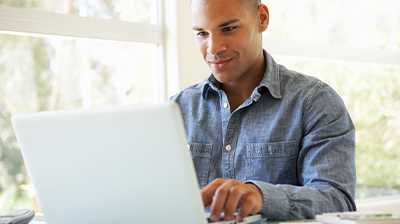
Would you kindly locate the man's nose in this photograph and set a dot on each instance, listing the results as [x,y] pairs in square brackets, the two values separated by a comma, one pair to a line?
[215,45]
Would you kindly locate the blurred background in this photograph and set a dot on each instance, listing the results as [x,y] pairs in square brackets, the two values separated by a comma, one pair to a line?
[41,72]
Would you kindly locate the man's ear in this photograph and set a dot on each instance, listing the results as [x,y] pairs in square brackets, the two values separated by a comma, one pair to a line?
[263,17]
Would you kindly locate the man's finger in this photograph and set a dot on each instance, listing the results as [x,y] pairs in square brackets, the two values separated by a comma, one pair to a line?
[232,202]
[221,195]
[227,195]
[208,192]
[252,203]
[249,205]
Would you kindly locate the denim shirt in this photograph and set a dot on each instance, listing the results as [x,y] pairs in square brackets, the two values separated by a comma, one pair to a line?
[293,138]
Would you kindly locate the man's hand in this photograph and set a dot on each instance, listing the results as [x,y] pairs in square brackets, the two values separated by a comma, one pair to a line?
[228,195]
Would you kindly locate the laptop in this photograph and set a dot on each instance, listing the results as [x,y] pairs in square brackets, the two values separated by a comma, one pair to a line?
[127,164]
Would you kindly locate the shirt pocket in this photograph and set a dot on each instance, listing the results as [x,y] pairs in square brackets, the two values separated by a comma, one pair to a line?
[274,163]
[201,156]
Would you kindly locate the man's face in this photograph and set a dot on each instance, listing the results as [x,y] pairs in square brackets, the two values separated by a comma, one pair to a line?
[228,36]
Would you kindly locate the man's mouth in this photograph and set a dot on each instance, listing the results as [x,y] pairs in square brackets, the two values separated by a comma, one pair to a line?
[220,64]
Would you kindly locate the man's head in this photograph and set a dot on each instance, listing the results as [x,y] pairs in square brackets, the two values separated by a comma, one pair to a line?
[228,34]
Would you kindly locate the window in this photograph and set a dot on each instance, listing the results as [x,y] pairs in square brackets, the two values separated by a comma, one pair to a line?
[370,24]
[143,11]
[71,54]
[354,47]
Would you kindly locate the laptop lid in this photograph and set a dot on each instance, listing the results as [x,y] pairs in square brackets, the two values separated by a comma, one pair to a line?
[111,165]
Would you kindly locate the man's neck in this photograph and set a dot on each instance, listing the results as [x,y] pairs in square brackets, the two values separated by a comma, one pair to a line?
[239,91]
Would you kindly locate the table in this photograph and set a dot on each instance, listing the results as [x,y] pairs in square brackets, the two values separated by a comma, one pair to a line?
[39,219]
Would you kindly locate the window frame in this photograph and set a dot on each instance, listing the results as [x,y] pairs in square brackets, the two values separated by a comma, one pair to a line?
[28,22]
[330,52]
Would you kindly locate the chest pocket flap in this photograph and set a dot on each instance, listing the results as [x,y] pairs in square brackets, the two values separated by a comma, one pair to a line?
[274,163]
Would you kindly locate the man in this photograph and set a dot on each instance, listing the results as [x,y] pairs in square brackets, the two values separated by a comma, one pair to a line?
[263,139]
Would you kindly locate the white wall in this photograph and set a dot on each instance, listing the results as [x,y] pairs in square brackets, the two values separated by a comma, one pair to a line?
[184,64]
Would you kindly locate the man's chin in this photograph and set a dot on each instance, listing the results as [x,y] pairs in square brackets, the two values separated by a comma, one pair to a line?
[219,73]
[221,77]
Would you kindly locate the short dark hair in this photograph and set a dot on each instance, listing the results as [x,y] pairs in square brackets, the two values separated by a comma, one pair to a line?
[251,5]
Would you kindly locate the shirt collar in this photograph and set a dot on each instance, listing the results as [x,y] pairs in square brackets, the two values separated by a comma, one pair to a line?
[269,81]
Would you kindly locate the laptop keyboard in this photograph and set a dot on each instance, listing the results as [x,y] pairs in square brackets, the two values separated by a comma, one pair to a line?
[248,219]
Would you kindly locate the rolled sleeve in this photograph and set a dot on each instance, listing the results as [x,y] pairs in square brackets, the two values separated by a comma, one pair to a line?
[275,202]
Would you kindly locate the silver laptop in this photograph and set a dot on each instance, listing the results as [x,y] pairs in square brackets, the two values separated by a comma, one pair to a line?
[112,165]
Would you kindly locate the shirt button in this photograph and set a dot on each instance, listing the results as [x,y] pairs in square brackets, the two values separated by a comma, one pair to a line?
[188,146]
[228,147]
[225,105]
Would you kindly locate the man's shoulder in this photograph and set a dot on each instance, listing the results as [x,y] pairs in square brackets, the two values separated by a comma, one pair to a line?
[308,89]
[294,82]
[298,78]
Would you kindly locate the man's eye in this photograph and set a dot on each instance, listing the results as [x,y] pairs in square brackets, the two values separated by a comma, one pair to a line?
[201,34]
[229,28]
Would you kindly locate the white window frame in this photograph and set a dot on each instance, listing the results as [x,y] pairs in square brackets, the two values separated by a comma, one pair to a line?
[331,53]
[44,24]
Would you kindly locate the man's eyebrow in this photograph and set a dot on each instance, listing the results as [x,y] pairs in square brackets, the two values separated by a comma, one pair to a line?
[197,28]
[221,25]
[228,22]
